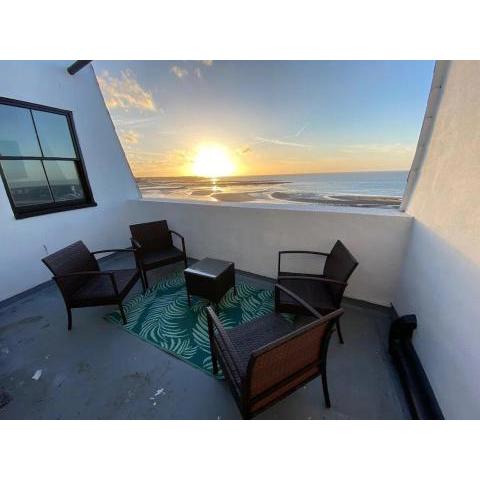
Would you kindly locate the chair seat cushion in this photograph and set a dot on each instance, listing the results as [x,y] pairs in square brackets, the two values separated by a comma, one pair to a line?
[98,290]
[250,336]
[314,292]
[158,258]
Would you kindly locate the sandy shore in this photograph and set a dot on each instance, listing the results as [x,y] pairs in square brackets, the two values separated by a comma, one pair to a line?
[233,197]
[342,200]
[338,200]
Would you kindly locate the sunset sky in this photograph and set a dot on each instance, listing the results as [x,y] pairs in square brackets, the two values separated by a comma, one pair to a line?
[265,117]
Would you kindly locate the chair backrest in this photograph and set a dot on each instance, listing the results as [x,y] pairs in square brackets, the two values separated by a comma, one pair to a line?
[340,263]
[278,368]
[152,235]
[72,259]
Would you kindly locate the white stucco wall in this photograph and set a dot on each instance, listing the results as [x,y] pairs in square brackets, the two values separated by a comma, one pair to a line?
[440,281]
[251,236]
[25,242]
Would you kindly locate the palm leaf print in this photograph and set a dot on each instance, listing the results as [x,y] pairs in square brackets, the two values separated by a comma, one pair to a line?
[162,317]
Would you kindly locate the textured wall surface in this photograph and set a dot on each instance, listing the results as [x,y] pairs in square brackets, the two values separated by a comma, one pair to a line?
[440,281]
[24,242]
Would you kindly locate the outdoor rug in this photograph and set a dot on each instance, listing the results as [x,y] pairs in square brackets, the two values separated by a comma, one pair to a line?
[162,317]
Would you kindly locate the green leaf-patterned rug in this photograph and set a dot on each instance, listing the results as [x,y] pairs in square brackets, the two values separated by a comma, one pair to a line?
[162,317]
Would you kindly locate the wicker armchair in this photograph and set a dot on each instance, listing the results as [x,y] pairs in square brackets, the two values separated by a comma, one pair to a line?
[154,247]
[77,274]
[266,359]
[323,291]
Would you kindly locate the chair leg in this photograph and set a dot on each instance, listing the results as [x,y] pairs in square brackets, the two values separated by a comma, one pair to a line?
[326,395]
[185,261]
[214,361]
[122,313]
[69,313]
[142,279]
[339,331]
[145,279]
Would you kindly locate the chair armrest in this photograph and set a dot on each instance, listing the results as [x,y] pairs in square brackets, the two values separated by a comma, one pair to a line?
[281,252]
[89,274]
[298,331]
[135,243]
[114,250]
[314,278]
[214,323]
[181,238]
[305,252]
[299,300]
[176,233]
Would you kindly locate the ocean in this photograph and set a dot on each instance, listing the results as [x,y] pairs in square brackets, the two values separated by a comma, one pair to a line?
[361,189]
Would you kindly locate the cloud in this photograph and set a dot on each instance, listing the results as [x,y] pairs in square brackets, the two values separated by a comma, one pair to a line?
[300,131]
[278,141]
[138,122]
[125,92]
[284,140]
[208,63]
[244,150]
[129,137]
[382,148]
[179,72]
[160,163]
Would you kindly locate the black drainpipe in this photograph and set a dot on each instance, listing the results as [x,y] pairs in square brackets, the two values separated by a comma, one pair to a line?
[421,400]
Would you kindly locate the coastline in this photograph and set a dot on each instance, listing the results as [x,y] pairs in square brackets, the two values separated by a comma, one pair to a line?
[343,200]
[362,189]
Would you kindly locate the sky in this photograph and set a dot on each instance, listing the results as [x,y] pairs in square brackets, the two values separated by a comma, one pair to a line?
[266,117]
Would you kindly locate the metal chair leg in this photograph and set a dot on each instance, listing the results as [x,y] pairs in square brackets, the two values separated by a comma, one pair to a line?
[340,336]
[214,361]
[142,279]
[69,312]
[325,388]
[122,313]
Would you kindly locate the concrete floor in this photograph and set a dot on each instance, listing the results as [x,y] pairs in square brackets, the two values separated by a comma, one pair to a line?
[98,371]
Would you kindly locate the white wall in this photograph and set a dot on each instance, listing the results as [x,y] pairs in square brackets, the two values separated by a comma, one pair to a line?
[440,281]
[251,236]
[22,241]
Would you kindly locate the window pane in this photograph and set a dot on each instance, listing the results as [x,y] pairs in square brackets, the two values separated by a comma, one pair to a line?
[54,134]
[64,180]
[26,181]
[17,134]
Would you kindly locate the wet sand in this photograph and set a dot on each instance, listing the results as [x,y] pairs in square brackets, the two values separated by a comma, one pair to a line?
[342,200]
[233,197]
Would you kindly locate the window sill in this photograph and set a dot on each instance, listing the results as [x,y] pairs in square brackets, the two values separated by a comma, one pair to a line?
[61,208]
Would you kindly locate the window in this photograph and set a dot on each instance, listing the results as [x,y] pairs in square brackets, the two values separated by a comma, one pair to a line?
[40,160]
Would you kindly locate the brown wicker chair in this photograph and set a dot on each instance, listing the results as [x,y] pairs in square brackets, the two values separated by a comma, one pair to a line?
[324,291]
[77,274]
[268,358]
[154,247]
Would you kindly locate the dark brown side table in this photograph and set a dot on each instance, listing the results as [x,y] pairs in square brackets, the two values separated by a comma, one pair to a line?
[210,278]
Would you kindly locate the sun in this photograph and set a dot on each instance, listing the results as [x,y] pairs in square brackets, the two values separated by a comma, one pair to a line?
[213,161]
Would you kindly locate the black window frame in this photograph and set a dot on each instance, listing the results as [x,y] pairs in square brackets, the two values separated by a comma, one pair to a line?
[52,207]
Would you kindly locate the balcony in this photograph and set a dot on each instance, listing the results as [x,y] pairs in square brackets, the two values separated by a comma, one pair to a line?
[98,371]
[423,260]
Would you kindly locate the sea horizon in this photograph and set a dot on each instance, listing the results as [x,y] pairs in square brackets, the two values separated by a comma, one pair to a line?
[269,174]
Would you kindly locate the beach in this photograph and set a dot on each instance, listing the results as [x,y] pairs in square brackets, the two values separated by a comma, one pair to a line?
[352,189]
